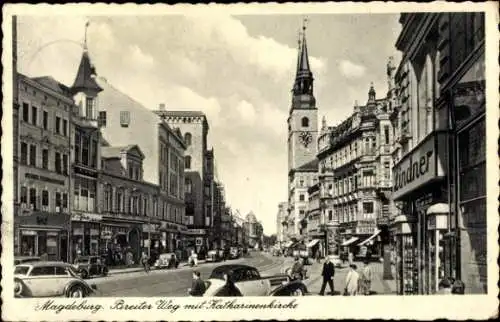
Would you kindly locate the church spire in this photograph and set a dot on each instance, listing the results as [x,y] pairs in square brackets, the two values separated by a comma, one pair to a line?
[304,78]
[85,77]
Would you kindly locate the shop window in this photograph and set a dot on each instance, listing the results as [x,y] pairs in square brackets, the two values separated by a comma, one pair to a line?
[24,153]
[33,155]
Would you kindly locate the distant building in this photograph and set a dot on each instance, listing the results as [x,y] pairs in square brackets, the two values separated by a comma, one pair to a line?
[281,223]
[254,231]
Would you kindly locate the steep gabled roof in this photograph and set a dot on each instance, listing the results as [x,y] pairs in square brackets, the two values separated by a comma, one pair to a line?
[85,77]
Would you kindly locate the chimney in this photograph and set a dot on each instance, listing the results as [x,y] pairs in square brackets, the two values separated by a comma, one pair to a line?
[162,106]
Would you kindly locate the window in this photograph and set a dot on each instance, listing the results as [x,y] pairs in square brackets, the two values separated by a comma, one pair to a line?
[65,127]
[145,207]
[187,138]
[26,112]
[85,150]
[102,118]
[58,125]
[61,271]
[24,195]
[65,164]
[33,155]
[387,170]
[93,160]
[65,200]
[119,200]
[89,108]
[77,147]
[45,198]
[302,197]
[45,159]
[32,198]
[368,207]
[58,200]
[130,171]
[58,167]
[330,215]
[386,134]
[124,118]
[188,185]
[34,115]
[467,31]
[42,270]
[24,153]
[187,162]
[45,120]
[305,122]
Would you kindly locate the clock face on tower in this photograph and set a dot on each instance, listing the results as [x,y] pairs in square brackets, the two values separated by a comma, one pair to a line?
[305,138]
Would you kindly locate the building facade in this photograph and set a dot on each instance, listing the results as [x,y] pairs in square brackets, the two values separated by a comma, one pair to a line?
[280,223]
[162,165]
[42,223]
[254,231]
[302,145]
[439,153]
[199,176]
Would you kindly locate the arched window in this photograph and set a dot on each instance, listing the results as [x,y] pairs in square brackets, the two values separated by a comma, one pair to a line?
[187,138]
[305,122]
[187,162]
[187,185]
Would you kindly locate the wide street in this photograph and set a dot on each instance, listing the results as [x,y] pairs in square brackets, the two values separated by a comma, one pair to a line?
[176,282]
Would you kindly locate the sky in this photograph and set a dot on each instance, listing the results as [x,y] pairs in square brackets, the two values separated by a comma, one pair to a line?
[238,70]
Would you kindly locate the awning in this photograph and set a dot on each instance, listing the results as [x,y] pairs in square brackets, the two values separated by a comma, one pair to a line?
[288,244]
[312,242]
[350,241]
[375,234]
[438,208]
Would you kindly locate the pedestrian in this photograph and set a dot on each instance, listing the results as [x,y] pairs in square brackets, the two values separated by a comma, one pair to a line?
[229,289]
[350,257]
[297,269]
[198,287]
[445,286]
[366,278]
[318,256]
[327,273]
[145,261]
[352,281]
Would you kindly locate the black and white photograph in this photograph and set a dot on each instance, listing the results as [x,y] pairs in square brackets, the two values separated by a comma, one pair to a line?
[298,158]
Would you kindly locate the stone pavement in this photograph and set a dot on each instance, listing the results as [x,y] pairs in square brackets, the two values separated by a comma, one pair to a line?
[379,285]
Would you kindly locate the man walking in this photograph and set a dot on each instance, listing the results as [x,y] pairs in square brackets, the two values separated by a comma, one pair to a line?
[327,273]
[198,287]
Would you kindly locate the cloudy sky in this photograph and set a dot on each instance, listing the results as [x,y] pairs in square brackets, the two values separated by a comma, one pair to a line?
[237,69]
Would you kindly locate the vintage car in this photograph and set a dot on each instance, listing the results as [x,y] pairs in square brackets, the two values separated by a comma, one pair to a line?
[166,260]
[88,266]
[49,279]
[250,283]
[25,259]
[234,253]
[214,255]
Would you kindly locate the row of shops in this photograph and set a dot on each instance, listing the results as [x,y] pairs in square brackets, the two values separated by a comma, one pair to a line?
[64,237]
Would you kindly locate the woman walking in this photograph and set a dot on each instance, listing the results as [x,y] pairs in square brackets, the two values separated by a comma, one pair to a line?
[366,278]
[352,281]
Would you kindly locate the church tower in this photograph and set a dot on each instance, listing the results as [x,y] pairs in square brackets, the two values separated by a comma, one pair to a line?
[303,114]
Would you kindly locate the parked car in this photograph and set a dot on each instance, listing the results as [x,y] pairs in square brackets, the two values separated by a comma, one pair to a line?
[25,259]
[214,255]
[336,260]
[234,253]
[250,283]
[87,266]
[49,279]
[166,260]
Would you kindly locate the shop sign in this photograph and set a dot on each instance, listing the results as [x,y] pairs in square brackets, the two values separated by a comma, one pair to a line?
[197,231]
[421,166]
[42,178]
[106,234]
[28,233]
[43,219]
[149,228]
[87,217]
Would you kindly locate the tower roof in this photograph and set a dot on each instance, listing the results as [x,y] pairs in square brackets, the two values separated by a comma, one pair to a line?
[85,77]
[304,57]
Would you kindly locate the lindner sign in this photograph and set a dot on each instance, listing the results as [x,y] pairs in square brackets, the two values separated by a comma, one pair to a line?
[426,163]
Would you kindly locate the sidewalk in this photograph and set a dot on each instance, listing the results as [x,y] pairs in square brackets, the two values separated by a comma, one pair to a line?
[379,285]
[139,268]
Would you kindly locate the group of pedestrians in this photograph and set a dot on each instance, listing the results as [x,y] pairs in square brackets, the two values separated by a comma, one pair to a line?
[355,283]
